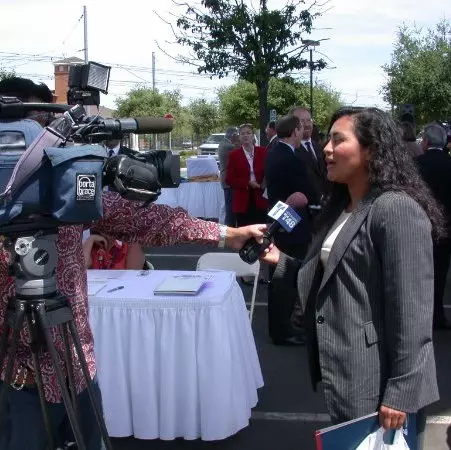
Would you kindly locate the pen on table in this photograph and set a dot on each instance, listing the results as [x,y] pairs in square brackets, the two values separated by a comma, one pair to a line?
[115,289]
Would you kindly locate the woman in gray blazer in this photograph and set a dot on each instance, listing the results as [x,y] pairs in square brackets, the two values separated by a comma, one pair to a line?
[366,283]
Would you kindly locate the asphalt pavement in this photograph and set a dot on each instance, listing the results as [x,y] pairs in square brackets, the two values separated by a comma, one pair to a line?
[288,411]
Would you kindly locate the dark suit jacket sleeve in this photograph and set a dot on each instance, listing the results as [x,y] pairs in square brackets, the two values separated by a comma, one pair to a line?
[285,173]
[402,234]
[287,270]
[302,183]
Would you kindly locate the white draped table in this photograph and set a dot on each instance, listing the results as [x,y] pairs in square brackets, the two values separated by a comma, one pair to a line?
[174,366]
[200,199]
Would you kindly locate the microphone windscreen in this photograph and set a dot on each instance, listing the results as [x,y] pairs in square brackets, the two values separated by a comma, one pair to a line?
[297,200]
[154,125]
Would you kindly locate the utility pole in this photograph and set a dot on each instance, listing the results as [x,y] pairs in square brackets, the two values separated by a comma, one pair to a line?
[154,136]
[311,43]
[153,71]
[311,82]
[85,21]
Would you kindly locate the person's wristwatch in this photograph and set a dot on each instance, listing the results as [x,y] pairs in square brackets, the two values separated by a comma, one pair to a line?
[222,235]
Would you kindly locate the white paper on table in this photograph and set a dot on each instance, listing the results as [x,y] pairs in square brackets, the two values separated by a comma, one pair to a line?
[104,275]
[181,285]
[95,286]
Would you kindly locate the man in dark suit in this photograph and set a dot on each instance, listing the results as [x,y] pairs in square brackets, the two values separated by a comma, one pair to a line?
[271,135]
[435,167]
[311,152]
[286,174]
[273,140]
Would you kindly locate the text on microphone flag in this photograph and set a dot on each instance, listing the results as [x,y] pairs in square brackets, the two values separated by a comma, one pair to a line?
[286,216]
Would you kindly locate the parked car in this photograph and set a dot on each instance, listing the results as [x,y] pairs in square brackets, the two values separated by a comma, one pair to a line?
[210,146]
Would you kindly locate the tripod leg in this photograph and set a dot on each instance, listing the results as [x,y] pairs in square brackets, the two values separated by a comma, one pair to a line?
[69,366]
[20,308]
[4,343]
[39,383]
[87,376]
[3,349]
[40,309]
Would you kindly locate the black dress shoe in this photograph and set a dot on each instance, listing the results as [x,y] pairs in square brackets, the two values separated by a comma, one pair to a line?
[292,340]
[295,340]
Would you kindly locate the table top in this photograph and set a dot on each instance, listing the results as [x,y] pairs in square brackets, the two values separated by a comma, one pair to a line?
[137,289]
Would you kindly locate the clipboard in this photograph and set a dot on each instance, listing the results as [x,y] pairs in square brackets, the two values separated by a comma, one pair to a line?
[180,285]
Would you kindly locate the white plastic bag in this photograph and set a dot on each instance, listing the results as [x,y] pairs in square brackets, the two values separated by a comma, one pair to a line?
[375,441]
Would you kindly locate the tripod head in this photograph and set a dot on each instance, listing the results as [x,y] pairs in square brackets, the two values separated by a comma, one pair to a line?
[33,264]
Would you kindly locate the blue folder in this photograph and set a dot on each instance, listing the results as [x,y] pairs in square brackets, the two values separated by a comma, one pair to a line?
[349,435]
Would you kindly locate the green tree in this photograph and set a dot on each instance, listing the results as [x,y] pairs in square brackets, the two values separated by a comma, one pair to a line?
[231,37]
[5,74]
[420,72]
[203,118]
[142,101]
[239,102]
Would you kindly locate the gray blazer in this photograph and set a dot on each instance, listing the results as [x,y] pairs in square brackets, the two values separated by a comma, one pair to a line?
[368,315]
[223,152]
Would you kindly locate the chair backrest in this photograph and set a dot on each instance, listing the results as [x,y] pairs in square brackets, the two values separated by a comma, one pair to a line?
[228,261]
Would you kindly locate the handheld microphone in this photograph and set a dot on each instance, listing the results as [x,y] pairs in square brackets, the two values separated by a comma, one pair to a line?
[284,216]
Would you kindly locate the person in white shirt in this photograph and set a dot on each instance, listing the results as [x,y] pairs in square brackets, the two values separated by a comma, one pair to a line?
[245,173]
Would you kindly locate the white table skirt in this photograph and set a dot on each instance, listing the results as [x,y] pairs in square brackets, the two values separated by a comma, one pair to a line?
[200,199]
[172,366]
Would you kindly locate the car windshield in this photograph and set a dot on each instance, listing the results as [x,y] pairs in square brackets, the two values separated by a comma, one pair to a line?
[215,139]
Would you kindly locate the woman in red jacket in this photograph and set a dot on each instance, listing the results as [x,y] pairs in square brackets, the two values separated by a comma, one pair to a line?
[245,174]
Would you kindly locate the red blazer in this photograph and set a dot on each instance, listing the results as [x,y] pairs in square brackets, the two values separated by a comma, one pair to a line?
[238,177]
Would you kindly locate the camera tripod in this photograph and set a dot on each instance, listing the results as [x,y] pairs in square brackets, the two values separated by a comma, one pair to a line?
[38,305]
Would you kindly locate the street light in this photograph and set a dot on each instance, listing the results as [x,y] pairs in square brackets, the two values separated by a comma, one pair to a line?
[311,43]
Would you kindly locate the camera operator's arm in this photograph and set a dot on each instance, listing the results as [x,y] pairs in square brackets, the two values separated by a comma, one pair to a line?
[161,225]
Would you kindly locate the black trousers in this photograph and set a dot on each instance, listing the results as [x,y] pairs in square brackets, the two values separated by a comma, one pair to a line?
[442,253]
[281,300]
[421,426]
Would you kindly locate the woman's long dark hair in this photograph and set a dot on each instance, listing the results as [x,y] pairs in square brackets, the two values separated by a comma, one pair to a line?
[391,167]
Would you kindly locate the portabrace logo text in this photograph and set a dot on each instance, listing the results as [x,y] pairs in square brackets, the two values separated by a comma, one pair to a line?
[86,187]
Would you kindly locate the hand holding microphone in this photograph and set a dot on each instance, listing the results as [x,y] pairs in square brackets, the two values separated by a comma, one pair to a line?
[284,216]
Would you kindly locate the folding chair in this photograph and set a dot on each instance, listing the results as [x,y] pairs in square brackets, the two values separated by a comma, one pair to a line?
[232,262]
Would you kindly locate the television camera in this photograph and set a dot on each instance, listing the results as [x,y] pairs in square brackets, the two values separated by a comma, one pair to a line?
[55,176]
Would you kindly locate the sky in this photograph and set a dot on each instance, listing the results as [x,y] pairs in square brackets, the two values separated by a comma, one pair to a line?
[358,39]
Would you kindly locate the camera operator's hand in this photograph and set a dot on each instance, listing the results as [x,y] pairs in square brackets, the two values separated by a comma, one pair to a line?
[237,237]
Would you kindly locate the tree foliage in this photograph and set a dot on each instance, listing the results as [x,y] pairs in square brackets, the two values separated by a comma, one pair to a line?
[142,101]
[239,103]
[228,36]
[420,72]
[6,74]
[203,117]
